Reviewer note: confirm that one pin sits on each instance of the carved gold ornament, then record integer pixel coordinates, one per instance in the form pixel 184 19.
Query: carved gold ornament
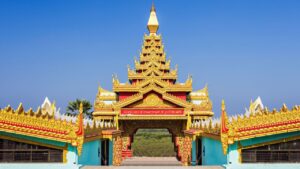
pixel 263 123
pixel 39 125
pixel 152 100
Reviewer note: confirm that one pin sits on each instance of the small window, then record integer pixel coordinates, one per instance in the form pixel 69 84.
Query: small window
pixel 284 152
pixel 12 151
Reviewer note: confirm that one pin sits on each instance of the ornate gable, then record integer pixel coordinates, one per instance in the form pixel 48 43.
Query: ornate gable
pixel 152 84
pixel 153 100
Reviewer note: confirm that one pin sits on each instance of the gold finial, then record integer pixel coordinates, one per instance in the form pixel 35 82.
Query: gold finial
pixel 223 107
pixel 206 89
pixel 152 22
pixel 80 108
pixel 152 7
pixel 53 109
pixel 20 109
pixel 80 131
pixel 284 108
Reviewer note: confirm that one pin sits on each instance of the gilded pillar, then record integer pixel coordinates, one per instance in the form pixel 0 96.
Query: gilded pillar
pixel 186 154
pixel 179 141
pixel 117 158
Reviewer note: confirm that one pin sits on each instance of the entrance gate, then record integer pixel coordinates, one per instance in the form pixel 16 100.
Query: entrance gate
pixel 131 127
pixel 152 98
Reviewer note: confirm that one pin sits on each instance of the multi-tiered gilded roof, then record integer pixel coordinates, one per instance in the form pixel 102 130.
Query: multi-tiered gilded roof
pixel 47 123
pixel 260 123
pixel 152 88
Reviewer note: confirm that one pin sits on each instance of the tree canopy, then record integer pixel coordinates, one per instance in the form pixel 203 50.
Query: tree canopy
pixel 73 108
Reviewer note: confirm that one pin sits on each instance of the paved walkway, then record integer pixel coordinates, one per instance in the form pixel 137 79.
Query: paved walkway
pixel 151 163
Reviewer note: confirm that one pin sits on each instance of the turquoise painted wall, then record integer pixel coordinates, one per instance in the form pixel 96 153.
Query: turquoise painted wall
pixel 110 152
pixel 212 152
pixel 34 139
pixel 90 153
pixel 72 159
pixel 268 138
pixel 233 155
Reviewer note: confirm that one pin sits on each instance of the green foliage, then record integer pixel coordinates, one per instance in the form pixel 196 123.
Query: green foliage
pixel 73 107
pixel 153 143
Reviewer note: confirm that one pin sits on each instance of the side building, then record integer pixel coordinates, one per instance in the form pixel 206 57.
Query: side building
pixel 264 139
pixel 46 139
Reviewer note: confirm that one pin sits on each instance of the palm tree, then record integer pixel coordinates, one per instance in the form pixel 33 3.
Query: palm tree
pixel 73 108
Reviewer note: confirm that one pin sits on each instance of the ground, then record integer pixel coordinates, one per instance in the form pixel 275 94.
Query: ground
pixel 151 163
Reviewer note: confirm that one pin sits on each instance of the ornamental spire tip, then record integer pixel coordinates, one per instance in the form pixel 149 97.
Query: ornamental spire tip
pixel 152 22
pixel 153 7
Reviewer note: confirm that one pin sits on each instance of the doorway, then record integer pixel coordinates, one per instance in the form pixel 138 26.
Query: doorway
pixel 104 152
pixel 199 151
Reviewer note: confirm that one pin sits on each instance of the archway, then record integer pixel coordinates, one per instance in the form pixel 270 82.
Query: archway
pixel 153 143
pixel 152 147
pixel 175 129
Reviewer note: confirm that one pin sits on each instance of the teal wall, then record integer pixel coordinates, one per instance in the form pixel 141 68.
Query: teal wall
pixel 71 155
pixel 233 154
pixel 110 152
pixel 34 139
pixel 268 138
pixel 212 152
pixel 90 153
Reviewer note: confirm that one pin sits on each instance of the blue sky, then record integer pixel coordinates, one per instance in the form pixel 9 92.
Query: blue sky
pixel 65 49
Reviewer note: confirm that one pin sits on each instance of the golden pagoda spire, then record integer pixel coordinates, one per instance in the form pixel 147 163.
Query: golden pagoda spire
pixel 152 22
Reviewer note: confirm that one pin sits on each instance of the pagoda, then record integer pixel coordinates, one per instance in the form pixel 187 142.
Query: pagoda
pixel 152 90
pixel 152 98
pixel 152 95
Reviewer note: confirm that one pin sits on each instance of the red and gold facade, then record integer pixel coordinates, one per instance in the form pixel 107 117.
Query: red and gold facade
pixel 42 125
pixel 46 127
pixel 152 97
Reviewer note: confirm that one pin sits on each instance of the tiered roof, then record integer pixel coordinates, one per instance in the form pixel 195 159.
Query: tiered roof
pixel 45 123
pixel 152 61
pixel 152 73
pixel 262 123
pixel 41 125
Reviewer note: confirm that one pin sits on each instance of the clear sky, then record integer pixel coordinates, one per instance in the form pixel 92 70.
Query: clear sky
pixel 65 49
